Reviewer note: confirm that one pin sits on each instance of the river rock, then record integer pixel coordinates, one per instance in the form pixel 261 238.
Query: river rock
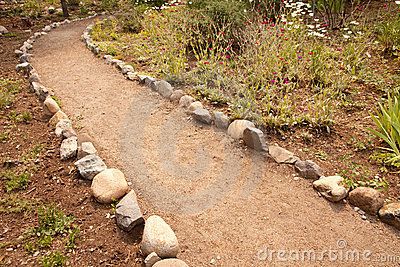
pixel 185 101
pixel 151 259
pixel 331 188
pixel 237 127
pixel 176 95
pixel 60 115
pixel 367 199
pixel 171 263
pixel 61 126
pixel 281 155
pixel 158 237
pixel 195 105
pixel 221 120
pixel 308 169
pixel 86 148
pixel 109 185
pixel 202 115
pixel 163 88
pixel 90 166
pixel 127 213
pixel 51 106
pixel 390 214
pixel 254 138
pixel 69 148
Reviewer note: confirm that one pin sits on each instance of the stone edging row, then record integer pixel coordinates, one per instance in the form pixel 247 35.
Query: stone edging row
pixel 159 242
pixel 364 199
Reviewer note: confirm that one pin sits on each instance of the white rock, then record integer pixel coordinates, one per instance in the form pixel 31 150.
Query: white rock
pixel 281 155
pixel 171 263
pixel 109 185
pixel 158 237
pixel 63 125
pixel 51 105
pixel 57 117
pixel 237 127
pixel 151 259
pixel 69 148
pixel 90 166
pixel 86 148
pixel 3 30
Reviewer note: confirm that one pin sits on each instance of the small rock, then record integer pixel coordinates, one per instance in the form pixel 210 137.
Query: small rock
pixel 195 105
pixel 51 10
pixel 47 28
pixel 26 67
pixel 281 155
pixel 308 169
pixel 51 106
pixel 127 68
pixel 237 127
pixel 221 120
pixel 176 95
pixel 41 91
pixel 69 148
pixel 34 77
pixel 86 148
pixel 202 115
pixel 108 59
pixel 330 187
pixel 363 217
pixel 3 30
pixel 171 263
pixel 90 166
pixel 63 125
pixel 185 101
pixel 367 199
pixel 390 214
pixel 109 185
pixel 18 53
pixel 128 213
pixel 131 76
pixel 163 88
pixel 158 237
pixel 151 259
pixel 57 117
pixel 116 62
pixel 254 138
pixel 24 58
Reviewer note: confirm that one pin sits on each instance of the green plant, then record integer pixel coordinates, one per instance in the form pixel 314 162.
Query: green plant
pixel 8 90
pixel 25 116
pixel 4 136
pixel 73 235
pixel 14 204
pixel 52 221
pixel 387 122
pixel 389 35
pixel 376 183
pixel 15 181
pixel 54 259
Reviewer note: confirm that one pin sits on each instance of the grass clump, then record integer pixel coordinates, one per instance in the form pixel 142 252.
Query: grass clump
pixel 14 181
pixel 14 204
pixel 8 89
pixel 54 259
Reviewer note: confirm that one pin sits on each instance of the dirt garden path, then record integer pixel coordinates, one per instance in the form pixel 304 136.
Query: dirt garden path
pixel 225 203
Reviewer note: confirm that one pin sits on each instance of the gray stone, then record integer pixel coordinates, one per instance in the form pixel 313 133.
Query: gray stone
pixel 151 259
pixel 367 199
pixel 163 88
pixel 37 34
pixel 3 30
pixel 90 166
pixel 61 126
pixel 127 213
pixel 60 115
pixel 202 115
pixel 390 214
pixel 237 127
pixel 116 62
pixel 18 52
pixel 69 147
pixel 221 120
pixel 132 76
pixel 171 263
pixel 26 67
pixel 25 58
pixel 195 105
pixel 109 185
pixel 41 91
pixel 108 59
pixel 254 138
pixel 50 105
pixel 185 101
pixel 281 155
pixel 158 237
pixel 34 77
pixel 86 148
pixel 308 169
pixel 331 188
pixel 176 95
pixel 26 46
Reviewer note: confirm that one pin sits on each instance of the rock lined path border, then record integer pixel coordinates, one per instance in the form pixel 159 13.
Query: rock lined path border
pixel 108 184
pixel 271 226
pixel 330 187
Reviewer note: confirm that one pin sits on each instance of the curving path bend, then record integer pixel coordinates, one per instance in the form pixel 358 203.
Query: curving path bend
pixel 228 206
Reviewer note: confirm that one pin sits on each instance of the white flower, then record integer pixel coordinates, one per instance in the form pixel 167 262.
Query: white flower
pixel 355 22
pixel 346 36
pixel 397 2
pixel 311 26
pixel 296 26
pixel 311 14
